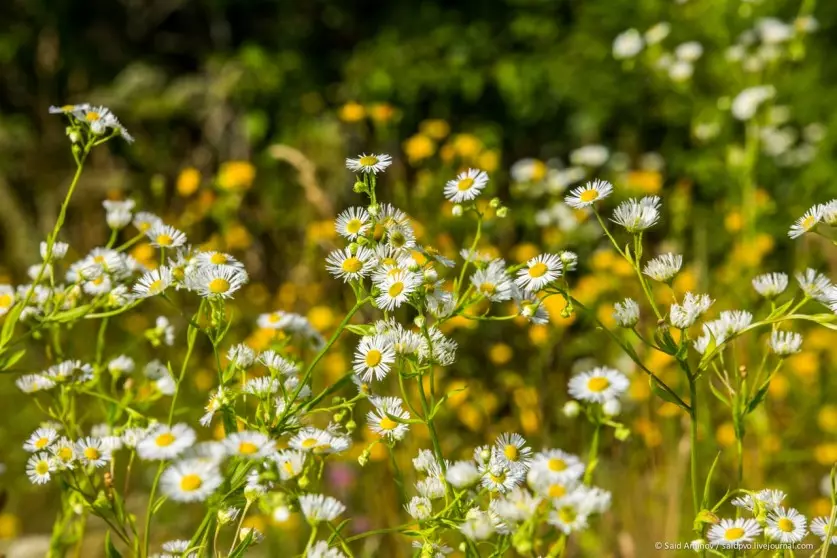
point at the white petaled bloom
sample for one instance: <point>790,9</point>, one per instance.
<point>214,258</point>
<point>598,385</point>
<point>539,272</point>
<point>593,155</point>
<point>373,357</point>
<point>730,533</point>
<point>627,44</point>
<point>785,343</point>
<point>64,452</point>
<point>425,461</point>
<point>516,506</point>
<point>165,236</point>
<point>191,480</point>
<point>569,260</point>
<point>585,196</point>
<point>40,440</point>
<point>493,282</point>
<point>828,212</point>
<point>352,223</point>
<point>746,103</point>
<point>385,419</point>
<point>177,548</point>
<point>7,299</point>
<point>819,526</point>
<point>786,525</point>
<point>217,281</point>
<point>309,439</point>
<point>318,507</point>
<point>689,51</point>
<point>814,284</point>
<point>59,250</point>
<point>277,363</point>
<point>419,508</point>
<point>321,550</point>
<point>262,387</point>
<point>144,220</point>
<point>118,213</point>
<point>510,448</point>
<point>462,474</point>
<point>290,463</point>
<point>478,525</point>
<point>466,186</point>
<point>569,513</point>
<point>241,355</point>
<point>498,476</point>
<point>685,315</point>
<point>555,466</point>
<point>395,289</point>
<point>637,215</point>
<point>250,445</point>
<point>165,442</point>
<point>372,163</point>
<point>770,285</point>
<point>101,119</point>
<point>91,451</point>
<point>154,282</point>
<point>31,383</point>
<point>39,468</point>
<point>770,498</point>
<point>349,266</point>
<point>807,222</point>
<point>530,306</point>
<point>663,268</point>
<point>626,313</point>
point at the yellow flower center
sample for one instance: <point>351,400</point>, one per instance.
<point>465,184</point>
<point>598,384</point>
<point>190,482</point>
<point>143,227</point>
<point>373,358</point>
<point>91,453</point>
<point>388,424</point>
<point>808,222</point>
<point>99,280</point>
<point>289,468</point>
<point>274,318</point>
<point>557,464</point>
<point>352,265</point>
<point>5,300</point>
<point>219,285</point>
<point>488,288</point>
<point>68,108</point>
<point>42,468</point>
<point>538,270</point>
<point>65,454</point>
<point>309,442</point>
<point>218,258</point>
<point>354,226</point>
<point>92,116</point>
<point>165,439</point>
<point>567,514</point>
<point>164,240</point>
<point>734,534</point>
<point>41,443</point>
<point>498,479</point>
<point>395,289</point>
<point>247,448</point>
<point>156,286</point>
<point>511,452</point>
<point>178,273</point>
<point>785,524</point>
<point>368,161</point>
<point>589,195</point>
<point>556,490</point>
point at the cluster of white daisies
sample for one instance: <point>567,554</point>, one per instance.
<point>99,121</point>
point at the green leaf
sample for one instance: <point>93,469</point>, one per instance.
<point>365,329</point>
<point>9,324</point>
<point>780,310</point>
<point>660,392</point>
<point>757,398</point>
<point>239,550</point>
<point>708,485</point>
<point>717,393</point>
<point>441,401</point>
<point>12,360</point>
<point>110,550</point>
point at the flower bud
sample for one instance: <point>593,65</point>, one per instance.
<point>571,409</point>
<point>419,321</point>
<point>502,212</point>
<point>457,210</point>
<point>494,203</point>
<point>303,482</point>
<point>612,407</point>
<point>359,187</point>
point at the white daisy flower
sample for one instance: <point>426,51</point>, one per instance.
<point>250,445</point>
<point>118,213</point>
<point>372,163</point>
<point>815,285</point>
<point>637,215</point>
<point>730,533</point>
<point>785,343</point>
<point>59,250</point>
<point>786,525</point>
<point>419,508</point>
<point>585,196</point>
<point>626,313</point>
<point>144,221</point>
<point>569,260</point>
<point>349,266</point>
<point>290,463</point>
<point>493,282</point>
<point>352,223</point>
<point>819,526</point>
<point>466,186</point>
<point>322,550</point>
<point>217,281</point>
<point>598,385</point>
<point>190,480</point>
<point>64,453</point>
<point>7,299</point>
<point>91,451</point>
<point>241,355</point>
<point>539,272</point>
<point>498,476</point>
<point>309,439</point>
<point>165,442</point>
<point>510,448</point>
<point>807,222</point>
<point>828,212</point>
<point>214,258</point>
<point>41,439</point>
<point>627,44</point>
<point>373,357</point>
<point>31,383</point>
<point>516,506</point>
<point>262,387</point>
<point>395,289</point>
<point>663,268</point>
<point>277,363</point>
<point>318,507</point>
<point>462,474</point>
<point>568,514</point>
<point>770,285</point>
<point>401,237</point>
<point>69,109</point>
<point>685,315</point>
<point>39,468</point>
<point>478,525</point>
<point>165,236</point>
<point>556,466</point>
<point>153,283</point>
<point>380,420</point>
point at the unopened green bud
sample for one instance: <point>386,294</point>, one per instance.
<point>502,212</point>
<point>359,187</point>
<point>571,409</point>
<point>303,482</point>
<point>494,203</point>
<point>457,210</point>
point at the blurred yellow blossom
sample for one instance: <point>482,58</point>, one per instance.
<point>236,175</point>
<point>352,112</point>
<point>188,181</point>
<point>418,147</point>
<point>435,128</point>
<point>500,353</point>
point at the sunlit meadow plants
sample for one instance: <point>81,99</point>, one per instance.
<point>110,414</point>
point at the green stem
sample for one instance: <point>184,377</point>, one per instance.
<point>150,508</point>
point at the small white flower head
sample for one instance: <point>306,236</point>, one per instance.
<point>262,387</point>
<point>785,343</point>
<point>657,33</point>
<point>373,357</point>
<point>385,419</point>
<point>663,268</point>
<point>730,533</point>
<point>685,315</point>
<point>820,525</point>
<point>165,236</point>
<point>539,272</point>
<point>689,51</point>
<point>7,299</point>
<point>249,445</point>
<point>278,364</point>
<point>321,550</point>
<point>371,163</point>
<point>91,451</point>
<point>40,440</point>
<point>626,313</point>
<point>815,285</point>
<point>39,468</point>
<point>828,212</point>
<point>31,383</point>
<point>59,250</point>
<point>499,476</point>
<point>419,508</point>
<point>511,449</point>
<point>349,266</point>
<point>144,221</point>
<point>807,222</point>
<point>214,259</point>
<point>612,407</point>
<point>309,439</point>
<point>466,186</point>
<point>571,409</point>
<point>241,356</point>
<point>627,44</point>
<point>569,260</point>
<point>598,385</point>
<point>770,285</point>
<point>516,506</point>
<point>64,453</point>
<point>153,283</point>
<point>593,155</point>
<point>555,466</point>
<point>478,525</point>
<point>587,195</point>
<point>637,215</point>
<point>424,461</point>
<point>352,223</point>
<point>746,103</point>
<point>493,282</point>
<point>118,213</point>
<point>191,480</point>
<point>318,507</point>
<point>290,463</point>
<point>395,289</point>
<point>569,513</point>
<point>217,281</point>
<point>462,474</point>
<point>786,525</point>
<point>163,442</point>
